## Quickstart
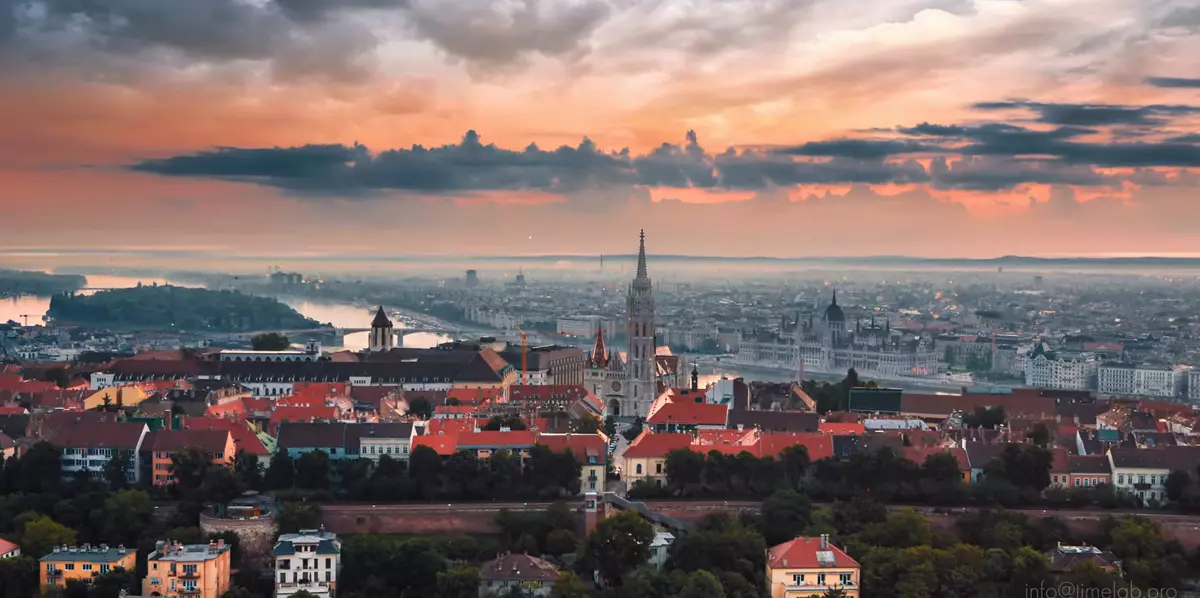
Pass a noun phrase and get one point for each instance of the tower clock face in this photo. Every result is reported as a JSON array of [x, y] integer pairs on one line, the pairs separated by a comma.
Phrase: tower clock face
[[616, 386]]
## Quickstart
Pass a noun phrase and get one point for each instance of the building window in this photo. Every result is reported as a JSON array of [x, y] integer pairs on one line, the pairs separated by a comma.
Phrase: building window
[[845, 580], [658, 468], [103, 569], [798, 579], [87, 567], [1120, 478], [820, 579], [69, 566], [328, 564], [1142, 479], [639, 469]]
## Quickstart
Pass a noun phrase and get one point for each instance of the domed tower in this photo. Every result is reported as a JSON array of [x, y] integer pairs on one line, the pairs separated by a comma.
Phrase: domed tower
[[382, 337], [834, 321]]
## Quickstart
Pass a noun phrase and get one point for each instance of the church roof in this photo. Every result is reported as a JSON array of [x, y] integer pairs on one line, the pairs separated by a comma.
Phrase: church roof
[[833, 313], [381, 320]]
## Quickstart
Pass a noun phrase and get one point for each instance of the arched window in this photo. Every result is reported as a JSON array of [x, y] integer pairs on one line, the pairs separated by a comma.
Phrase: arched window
[[639, 469]]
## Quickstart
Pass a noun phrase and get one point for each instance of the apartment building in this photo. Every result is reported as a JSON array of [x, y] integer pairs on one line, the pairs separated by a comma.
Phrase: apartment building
[[811, 567], [83, 563], [187, 570], [1124, 379]]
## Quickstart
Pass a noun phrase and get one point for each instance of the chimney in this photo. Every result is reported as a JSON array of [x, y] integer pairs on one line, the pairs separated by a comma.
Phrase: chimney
[[824, 541]]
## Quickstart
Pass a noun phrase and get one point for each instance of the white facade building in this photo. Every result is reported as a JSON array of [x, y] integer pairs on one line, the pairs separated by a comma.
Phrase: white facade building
[[585, 326], [1193, 385], [309, 561], [1061, 370], [1144, 380]]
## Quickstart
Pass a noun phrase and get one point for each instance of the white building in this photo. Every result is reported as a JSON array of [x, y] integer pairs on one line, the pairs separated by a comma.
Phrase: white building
[[1193, 385], [659, 548], [1143, 380], [1061, 370], [585, 326], [88, 446], [309, 561], [393, 440], [311, 352]]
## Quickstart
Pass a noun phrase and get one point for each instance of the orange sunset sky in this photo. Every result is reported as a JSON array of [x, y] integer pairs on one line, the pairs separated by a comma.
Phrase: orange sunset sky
[[969, 128]]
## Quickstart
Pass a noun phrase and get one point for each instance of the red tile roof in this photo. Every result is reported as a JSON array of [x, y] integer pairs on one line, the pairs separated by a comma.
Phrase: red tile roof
[[13, 410], [819, 446], [684, 413], [475, 396], [649, 444], [7, 547], [581, 445], [301, 415], [244, 439], [94, 434], [170, 441], [454, 427], [801, 553], [442, 445], [918, 455], [489, 439], [1059, 463], [842, 429]]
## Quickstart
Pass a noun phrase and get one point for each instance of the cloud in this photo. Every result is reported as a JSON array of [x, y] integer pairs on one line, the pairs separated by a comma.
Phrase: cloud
[[497, 32], [311, 11], [1091, 115], [1173, 82]]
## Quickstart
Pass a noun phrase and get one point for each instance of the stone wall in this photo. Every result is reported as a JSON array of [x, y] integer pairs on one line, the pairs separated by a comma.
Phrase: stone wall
[[256, 537]]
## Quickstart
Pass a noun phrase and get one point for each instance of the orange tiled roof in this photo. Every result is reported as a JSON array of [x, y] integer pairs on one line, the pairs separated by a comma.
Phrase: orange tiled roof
[[801, 553], [842, 429], [442, 445]]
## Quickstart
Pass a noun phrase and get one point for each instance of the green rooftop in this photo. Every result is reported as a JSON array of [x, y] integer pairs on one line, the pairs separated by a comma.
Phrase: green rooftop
[[87, 554]]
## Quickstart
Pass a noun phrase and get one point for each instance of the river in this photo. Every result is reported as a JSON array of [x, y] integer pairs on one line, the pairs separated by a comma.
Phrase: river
[[341, 315]]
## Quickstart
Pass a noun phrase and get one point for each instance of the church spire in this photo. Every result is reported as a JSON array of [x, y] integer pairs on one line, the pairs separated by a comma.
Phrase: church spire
[[641, 271], [599, 351]]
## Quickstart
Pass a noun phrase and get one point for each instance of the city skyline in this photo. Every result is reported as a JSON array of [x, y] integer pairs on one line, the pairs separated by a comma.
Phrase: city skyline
[[947, 128]]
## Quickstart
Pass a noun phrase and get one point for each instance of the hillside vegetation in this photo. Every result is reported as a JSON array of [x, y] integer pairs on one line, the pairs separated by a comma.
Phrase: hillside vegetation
[[178, 308]]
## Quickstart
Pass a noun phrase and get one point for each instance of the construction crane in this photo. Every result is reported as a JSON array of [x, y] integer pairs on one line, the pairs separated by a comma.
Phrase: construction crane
[[26, 318]]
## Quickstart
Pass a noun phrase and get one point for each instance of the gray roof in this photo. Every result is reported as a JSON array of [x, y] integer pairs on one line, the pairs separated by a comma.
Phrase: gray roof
[[102, 554], [188, 553], [340, 435], [327, 542]]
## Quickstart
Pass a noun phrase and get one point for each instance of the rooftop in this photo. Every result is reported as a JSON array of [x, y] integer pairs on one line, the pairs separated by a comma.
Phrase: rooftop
[[808, 553], [87, 554], [187, 553]]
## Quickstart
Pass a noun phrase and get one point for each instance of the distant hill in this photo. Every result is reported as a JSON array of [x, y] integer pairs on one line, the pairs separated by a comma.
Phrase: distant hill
[[17, 282], [177, 308]]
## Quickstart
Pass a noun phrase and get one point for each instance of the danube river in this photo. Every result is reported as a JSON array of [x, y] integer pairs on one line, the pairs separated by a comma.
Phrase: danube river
[[341, 315]]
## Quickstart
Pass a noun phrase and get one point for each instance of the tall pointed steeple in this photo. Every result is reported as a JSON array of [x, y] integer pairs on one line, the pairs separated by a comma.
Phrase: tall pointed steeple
[[641, 271], [599, 351]]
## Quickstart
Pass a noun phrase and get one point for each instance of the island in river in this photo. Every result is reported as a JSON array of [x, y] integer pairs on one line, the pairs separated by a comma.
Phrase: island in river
[[14, 283], [170, 307]]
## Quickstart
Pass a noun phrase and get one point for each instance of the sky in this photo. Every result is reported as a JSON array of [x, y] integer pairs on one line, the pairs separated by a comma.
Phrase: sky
[[952, 128]]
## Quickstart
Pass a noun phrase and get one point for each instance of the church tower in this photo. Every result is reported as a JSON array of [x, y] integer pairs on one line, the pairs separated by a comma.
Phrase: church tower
[[382, 337], [642, 389]]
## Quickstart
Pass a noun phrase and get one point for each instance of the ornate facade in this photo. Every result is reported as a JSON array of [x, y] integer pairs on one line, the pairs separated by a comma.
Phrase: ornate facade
[[830, 345]]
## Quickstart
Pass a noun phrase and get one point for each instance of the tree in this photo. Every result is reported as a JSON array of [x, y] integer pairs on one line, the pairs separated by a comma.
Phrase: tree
[[560, 542], [684, 468], [239, 592], [496, 422], [618, 545], [188, 466], [270, 341], [701, 584], [421, 407], [568, 586], [111, 584], [635, 430], [18, 577], [1039, 435], [460, 582], [834, 593], [58, 376], [126, 514], [41, 534], [116, 471], [795, 463], [785, 514], [610, 427], [588, 424], [1176, 484], [425, 468], [281, 473], [294, 516], [40, 470], [312, 470], [220, 485], [248, 469]]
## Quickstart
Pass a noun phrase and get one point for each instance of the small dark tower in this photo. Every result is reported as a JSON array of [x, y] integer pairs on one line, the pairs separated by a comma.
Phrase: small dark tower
[[695, 378]]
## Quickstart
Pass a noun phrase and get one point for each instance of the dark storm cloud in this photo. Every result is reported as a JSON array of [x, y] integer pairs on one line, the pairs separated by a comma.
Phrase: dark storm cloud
[[310, 11], [1173, 82], [1093, 115], [990, 156], [864, 149]]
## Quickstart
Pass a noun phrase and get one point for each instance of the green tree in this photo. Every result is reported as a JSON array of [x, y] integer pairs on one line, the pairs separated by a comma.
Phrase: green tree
[[1177, 482], [126, 515], [568, 586], [312, 470], [116, 471], [496, 422], [295, 516], [111, 584], [618, 545], [785, 514], [634, 430], [685, 469], [270, 341], [249, 470], [795, 462], [1039, 435], [41, 534], [460, 582], [702, 584], [610, 427], [281, 473], [425, 469], [18, 577], [238, 592], [560, 542], [834, 593], [188, 466], [588, 424], [220, 485], [421, 407], [40, 470]]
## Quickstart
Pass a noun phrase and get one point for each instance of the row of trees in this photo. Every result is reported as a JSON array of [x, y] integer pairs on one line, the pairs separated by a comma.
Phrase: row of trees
[[544, 474], [178, 308]]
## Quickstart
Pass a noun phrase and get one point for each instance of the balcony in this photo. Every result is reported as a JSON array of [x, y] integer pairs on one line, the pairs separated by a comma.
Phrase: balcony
[[55, 574], [188, 575], [1141, 486], [189, 591]]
